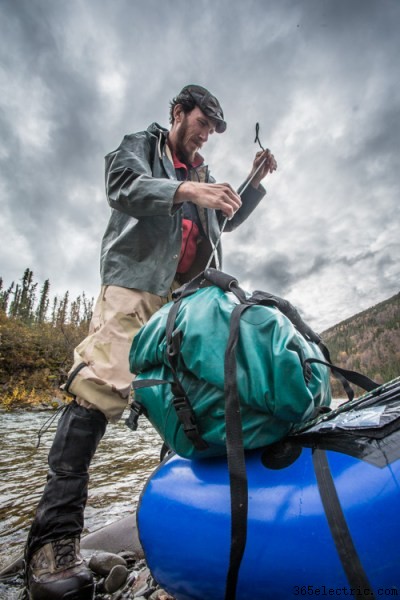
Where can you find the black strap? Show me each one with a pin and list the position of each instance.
(144, 383)
(337, 523)
(233, 422)
(136, 409)
(286, 308)
(189, 288)
(181, 402)
(183, 408)
(225, 282)
(343, 375)
(345, 384)
(220, 279)
(346, 375)
(236, 457)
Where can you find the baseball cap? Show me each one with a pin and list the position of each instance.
(207, 103)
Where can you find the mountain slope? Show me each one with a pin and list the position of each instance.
(368, 342)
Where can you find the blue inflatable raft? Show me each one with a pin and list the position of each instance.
(323, 515)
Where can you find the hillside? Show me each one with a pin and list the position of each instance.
(368, 342)
(37, 337)
(38, 334)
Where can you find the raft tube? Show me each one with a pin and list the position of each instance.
(322, 517)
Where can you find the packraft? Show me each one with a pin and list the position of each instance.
(221, 371)
(322, 516)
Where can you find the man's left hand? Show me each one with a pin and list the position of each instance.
(270, 165)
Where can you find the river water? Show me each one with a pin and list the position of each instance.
(123, 462)
(119, 470)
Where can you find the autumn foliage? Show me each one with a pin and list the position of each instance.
(38, 335)
(368, 342)
(37, 338)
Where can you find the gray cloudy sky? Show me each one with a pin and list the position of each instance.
(320, 76)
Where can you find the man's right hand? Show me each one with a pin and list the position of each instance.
(219, 196)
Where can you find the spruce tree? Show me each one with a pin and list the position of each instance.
(5, 295)
(62, 311)
(41, 311)
(22, 305)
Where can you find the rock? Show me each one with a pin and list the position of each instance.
(133, 575)
(141, 585)
(129, 557)
(102, 563)
(116, 578)
(127, 579)
(160, 594)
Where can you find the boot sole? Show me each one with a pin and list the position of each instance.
(85, 593)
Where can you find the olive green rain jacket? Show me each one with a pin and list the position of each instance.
(142, 242)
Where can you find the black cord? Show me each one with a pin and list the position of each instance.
(47, 424)
(257, 139)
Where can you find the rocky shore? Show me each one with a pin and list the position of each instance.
(123, 576)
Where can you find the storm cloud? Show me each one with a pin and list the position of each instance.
(320, 76)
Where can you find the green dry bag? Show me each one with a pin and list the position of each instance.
(185, 343)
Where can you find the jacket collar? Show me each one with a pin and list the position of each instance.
(164, 152)
(178, 164)
(162, 135)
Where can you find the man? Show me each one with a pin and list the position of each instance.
(165, 221)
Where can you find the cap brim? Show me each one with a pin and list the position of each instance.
(220, 126)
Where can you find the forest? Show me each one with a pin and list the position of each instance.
(368, 342)
(38, 334)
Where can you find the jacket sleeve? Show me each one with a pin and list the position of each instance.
(136, 183)
(250, 199)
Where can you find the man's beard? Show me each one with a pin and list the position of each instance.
(180, 149)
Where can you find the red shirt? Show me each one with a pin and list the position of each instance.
(190, 220)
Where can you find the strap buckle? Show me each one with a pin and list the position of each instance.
(307, 372)
(174, 344)
(187, 418)
(135, 411)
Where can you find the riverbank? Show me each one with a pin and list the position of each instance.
(123, 462)
(128, 579)
(120, 468)
(20, 398)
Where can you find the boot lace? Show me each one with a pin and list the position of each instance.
(65, 554)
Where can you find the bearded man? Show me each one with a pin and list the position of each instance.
(165, 223)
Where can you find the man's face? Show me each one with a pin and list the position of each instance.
(192, 131)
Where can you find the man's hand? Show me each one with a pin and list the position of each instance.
(219, 196)
(270, 165)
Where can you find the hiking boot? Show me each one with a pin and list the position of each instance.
(58, 572)
(54, 568)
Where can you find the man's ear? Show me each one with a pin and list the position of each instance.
(178, 113)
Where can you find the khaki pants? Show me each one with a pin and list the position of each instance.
(104, 383)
